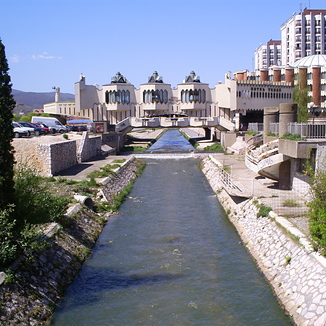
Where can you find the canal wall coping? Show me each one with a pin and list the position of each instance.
(284, 254)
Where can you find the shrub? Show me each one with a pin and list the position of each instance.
(264, 211)
(252, 132)
(217, 147)
(291, 136)
(34, 202)
(317, 212)
(8, 248)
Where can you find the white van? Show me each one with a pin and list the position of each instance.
(53, 123)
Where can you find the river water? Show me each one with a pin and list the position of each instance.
(170, 257)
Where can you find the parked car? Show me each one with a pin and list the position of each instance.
(20, 131)
(32, 130)
(43, 125)
(42, 130)
(53, 123)
(77, 127)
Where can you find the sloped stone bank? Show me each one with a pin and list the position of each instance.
(40, 279)
(296, 273)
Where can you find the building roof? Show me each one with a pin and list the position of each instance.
(311, 60)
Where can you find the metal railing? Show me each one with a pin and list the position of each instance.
(305, 130)
(256, 126)
(308, 130)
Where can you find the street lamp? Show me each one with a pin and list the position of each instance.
(312, 106)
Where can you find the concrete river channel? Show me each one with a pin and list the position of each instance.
(170, 257)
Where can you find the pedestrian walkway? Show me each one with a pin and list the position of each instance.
(286, 203)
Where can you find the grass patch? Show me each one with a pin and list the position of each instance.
(104, 171)
(132, 149)
(290, 203)
(119, 161)
(291, 136)
(271, 134)
(252, 132)
(217, 147)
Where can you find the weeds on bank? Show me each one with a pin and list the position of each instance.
(132, 149)
(34, 205)
(117, 200)
(104, 171)
(217, 147)
(290, 203)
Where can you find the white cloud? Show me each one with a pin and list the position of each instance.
(14, 58)
(44, 55)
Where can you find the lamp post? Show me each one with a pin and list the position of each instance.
(312, 106)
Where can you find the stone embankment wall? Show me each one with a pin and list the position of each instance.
(296, 273)
(39, 279)
(55, 157)
(88, 147)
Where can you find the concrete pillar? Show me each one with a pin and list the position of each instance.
(208, 133)
(285, 175)
(264, 75)
(316, 74)
(270, 115)
(288, 113)
(277, 74)
(289, 75)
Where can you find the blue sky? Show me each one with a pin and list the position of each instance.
(49, 43)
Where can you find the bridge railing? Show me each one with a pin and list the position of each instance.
(123, 124)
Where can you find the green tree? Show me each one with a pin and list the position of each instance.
(301, 97)
(317, 212)
(7, 105)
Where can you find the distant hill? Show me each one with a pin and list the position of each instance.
(27, 101)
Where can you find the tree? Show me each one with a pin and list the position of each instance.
(301, 97)
(7, 105)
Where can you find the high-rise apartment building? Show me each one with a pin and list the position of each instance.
(269, 54)
(303, 34)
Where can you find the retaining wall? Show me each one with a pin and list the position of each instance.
(88, 147)
(55, 157)
(296, 273)
(40, 279)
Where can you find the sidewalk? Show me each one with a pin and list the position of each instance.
(267, 191)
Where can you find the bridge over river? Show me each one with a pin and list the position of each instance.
(174, 122)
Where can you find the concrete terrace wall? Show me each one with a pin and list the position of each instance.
(295, 272)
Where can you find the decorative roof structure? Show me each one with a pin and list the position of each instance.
(118, 78)
(155, 78)
(311, 60)
(192, 78)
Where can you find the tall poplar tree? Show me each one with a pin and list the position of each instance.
(7, 105)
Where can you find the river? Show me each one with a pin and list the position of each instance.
(170, 257)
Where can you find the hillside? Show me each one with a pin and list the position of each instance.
(27, 101)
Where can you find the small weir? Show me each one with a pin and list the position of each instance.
(170, 257)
